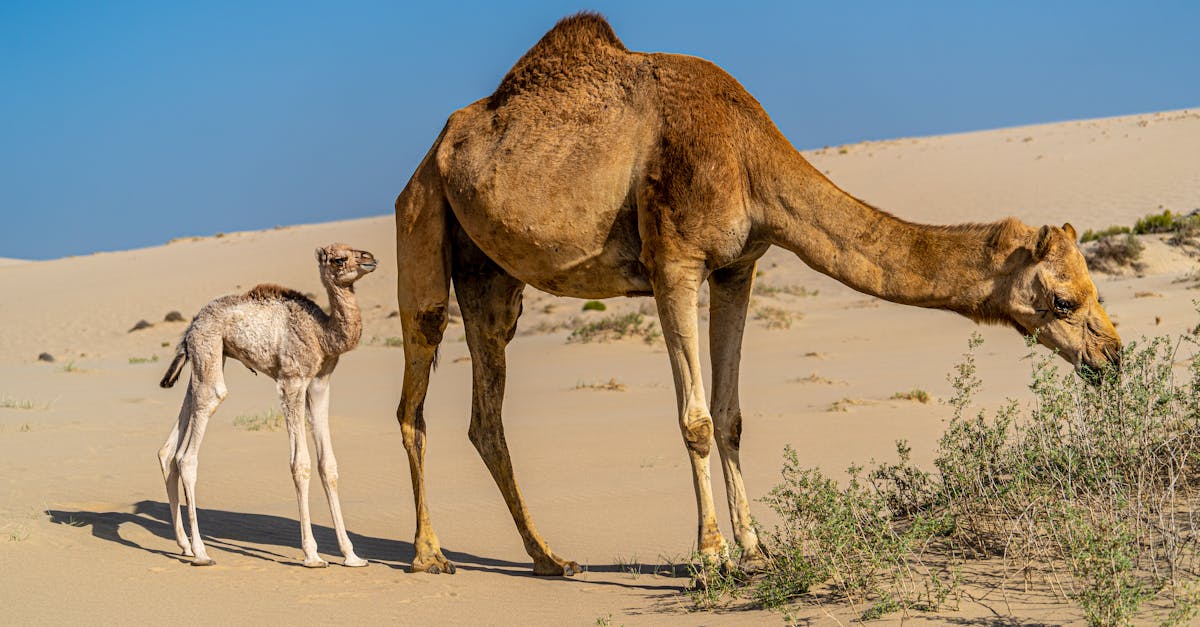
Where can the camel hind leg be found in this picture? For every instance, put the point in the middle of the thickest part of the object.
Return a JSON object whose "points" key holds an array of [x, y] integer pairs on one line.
{"points": [[206, 390], [490, 300], [170, 470], [423, 291]]}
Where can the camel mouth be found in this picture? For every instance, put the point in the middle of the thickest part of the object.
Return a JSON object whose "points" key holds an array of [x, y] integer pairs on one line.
{"points": [[369, 267]]}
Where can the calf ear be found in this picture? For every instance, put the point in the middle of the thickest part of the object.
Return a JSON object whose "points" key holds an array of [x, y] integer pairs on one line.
{"points": [[322, 255], [1070, 231], [1045, 237]]}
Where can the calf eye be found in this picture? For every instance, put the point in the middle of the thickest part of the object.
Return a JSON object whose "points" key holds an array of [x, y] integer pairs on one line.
{"points": [[339, 262], [1063, 306]]}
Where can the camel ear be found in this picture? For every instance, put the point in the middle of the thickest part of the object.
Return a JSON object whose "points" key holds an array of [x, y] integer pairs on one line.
{"points": [[322, 255], [1070, 231], [1045, 237]]}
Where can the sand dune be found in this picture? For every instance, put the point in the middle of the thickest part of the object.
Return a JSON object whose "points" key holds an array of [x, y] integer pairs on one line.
{"points": [[604, 471]]}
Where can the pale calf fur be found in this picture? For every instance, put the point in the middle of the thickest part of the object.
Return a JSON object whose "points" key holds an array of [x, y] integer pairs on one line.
{"points": [[285, 335]]}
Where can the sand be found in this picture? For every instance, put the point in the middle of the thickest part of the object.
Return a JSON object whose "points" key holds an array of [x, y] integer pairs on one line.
{"points": [[83, 522]]}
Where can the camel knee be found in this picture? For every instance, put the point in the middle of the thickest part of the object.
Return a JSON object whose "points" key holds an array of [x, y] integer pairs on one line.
{"points": [[329, 470], [729, 432], [301, 472], [431, 324], [697, 430]]}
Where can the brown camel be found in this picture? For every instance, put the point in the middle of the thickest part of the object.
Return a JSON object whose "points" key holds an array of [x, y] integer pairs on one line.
{"points": [[286, 336], [594, 171]]}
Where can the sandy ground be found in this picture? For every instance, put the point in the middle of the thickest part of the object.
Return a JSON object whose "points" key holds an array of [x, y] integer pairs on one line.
{"points": [[85, 532]]}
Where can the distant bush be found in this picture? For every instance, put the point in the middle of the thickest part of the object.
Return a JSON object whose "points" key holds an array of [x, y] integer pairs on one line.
{"points": [[1091, 236], [1111, 254], [594, 305], [615, 327]]}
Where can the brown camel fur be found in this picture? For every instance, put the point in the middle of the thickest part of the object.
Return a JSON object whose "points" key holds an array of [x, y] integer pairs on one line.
{"points": [[283, 334], [595, 171]]}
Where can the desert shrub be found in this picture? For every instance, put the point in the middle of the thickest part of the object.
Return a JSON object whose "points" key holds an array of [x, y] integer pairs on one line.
{"points": [[775, 317], [1155, 223], [1090, 235], [270, 420], [615, 327], [1093, 486], [915, 394], [1110, 254], [594, 305]]}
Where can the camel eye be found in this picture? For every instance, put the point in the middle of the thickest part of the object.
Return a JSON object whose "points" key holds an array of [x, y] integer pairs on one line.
{"points": [[339, 262], [1063, 306]]}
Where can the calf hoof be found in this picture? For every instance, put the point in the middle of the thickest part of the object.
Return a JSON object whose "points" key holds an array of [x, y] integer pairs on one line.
{"points": [[208, 561], [354, 561], [556, 568], [315, 563]]}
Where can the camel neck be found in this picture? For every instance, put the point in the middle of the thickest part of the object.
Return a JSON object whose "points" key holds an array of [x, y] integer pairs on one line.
{"points": [[942, 267], [343, 329]]}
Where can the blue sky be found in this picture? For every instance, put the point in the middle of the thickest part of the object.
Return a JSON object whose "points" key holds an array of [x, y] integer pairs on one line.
{"points": [[126, 124]]}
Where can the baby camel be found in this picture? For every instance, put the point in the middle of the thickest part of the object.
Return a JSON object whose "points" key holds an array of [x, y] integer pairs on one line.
{"points": [[285, 335]]}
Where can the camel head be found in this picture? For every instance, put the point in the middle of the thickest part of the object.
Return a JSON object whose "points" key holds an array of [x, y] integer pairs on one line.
{"points": [[342, 265], [1052, 296]]}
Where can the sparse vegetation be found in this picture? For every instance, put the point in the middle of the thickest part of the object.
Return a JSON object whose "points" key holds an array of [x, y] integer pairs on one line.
{"points": [[394, 342], [1091, 236], [775, 317], [915, 394], [1089, 492], [791, 290], [614, 327], [594, 305], [143, 360], [8, 402], [270, 420], [612, 385], [71, 367], [1111, 254]]}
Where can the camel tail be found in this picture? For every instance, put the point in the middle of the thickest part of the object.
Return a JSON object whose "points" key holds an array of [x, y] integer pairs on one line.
{"points": [[176, 366]]}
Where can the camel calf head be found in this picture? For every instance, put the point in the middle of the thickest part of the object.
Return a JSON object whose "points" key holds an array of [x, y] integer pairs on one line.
{"points": [[1052, 296], [343, 265]]}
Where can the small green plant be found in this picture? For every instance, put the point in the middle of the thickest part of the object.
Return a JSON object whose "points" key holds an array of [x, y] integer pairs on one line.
{"points": [[615, 327], [791, 290], [775, 317], [8, 402], [612, 385], [1164, 222], [594, 305], [143, 360], [270, 420], [1091, 236], [71, 367], [915, 394], [712, 580], [394, 342]]}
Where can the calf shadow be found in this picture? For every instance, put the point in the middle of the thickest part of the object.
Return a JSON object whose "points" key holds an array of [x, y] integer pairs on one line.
{"points": [[257, 536], [277, 539]]}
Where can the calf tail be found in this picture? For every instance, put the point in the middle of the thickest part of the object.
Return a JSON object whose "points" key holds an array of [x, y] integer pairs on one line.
{"points": [[176, 366]]}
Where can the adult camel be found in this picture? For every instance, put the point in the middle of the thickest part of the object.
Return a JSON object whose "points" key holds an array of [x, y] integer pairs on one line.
{"points": [[594, 171]]}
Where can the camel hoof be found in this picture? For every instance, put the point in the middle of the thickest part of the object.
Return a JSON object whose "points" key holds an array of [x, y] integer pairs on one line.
{"points": [[208, 561], [315, 563], [436, 566], [565, 568], [753, 564], [354, 561]]}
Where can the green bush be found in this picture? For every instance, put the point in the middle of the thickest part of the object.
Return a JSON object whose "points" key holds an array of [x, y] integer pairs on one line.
{"points": [[594, 305], [1092, 488]]}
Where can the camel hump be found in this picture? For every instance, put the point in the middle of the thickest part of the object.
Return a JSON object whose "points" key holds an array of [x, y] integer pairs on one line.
{"points": [[575, 40]]}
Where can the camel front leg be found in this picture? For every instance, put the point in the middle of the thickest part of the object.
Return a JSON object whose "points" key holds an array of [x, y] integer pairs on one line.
{"points": [[490, 301], [730, 297], [291, 396], [170, 470], [318, 411], [676, 292]]}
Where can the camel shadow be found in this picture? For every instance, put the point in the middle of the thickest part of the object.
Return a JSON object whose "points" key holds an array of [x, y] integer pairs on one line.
{"points": [[258, 535]]}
